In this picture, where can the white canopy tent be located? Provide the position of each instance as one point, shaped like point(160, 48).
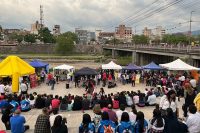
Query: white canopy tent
point(64, 67)
point(111, 65)
point(178, 65)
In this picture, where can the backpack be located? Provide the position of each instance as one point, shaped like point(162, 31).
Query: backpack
point(108, 129)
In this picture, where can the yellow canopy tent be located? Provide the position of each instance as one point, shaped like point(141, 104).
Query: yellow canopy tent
point(15, 67)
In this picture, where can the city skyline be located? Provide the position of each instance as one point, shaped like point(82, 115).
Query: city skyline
point(173, 15)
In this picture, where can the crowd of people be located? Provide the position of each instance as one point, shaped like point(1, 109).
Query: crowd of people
point(110, 114)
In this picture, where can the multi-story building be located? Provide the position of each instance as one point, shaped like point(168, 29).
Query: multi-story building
point(82, 35)
point(147, 32)
point(56, 30)
point(104, 36)
point(159, 32)
point(90, 36)
point(36, 27)
point(123, 33)
point(97, 32)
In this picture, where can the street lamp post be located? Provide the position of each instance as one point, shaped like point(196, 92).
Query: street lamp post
point(190, 34)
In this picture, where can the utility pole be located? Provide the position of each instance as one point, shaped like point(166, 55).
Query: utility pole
point(190, 32)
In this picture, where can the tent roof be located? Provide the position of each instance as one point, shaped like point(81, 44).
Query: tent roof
point(64, 67)
point(38, 64)
point(178, 65)
point(152, 66)
point(85, 71)
point(13, 64)
point(111, 65)
point(132, 66)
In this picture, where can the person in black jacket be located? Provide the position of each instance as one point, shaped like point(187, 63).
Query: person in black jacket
point(173, 125)
point(59, 125)
point(39, 102)
point(77, 103)
point(190, 96)
point(6, 118)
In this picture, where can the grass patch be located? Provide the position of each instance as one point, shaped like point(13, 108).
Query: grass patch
point(123, 61)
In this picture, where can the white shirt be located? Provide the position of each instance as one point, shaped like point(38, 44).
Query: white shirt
point(164, 104)
point(182, 78)
point(193, 82)
point(52, 118)
point(136, 99)
point(23, 87)
point(193, 122)
point(132, 117)
point(2, 88)
point(152, 99)
point(119, 114)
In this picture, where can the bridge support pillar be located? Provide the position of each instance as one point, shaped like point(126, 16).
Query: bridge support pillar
point(113, 53)
point(135, 57)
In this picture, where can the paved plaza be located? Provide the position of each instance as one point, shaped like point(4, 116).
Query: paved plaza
point(74, 118)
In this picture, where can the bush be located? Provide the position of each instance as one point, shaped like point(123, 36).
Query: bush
point(123, 61)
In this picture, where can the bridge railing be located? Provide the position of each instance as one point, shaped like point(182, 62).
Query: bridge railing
point(161, 48)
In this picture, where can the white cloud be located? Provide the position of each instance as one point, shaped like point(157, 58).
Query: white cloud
point(91, 14)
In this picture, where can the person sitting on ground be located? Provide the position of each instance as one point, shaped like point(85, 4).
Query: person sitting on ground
point(115, 103)
point(193, 120)
point(42, 124)
point(97, 116)
point(63, 104)
point(25, 105)
point(17, 123)
point(32, 101)
point(151, 101)
point(39, 102)
point(125, 124)
point(55, 103)
point(112, 114)
point(129, 100)
point(52, 117)
point(6, 115)
point(106, 124)
point(141, 100)
point(157, 123)
point(133, 114)
point(120, 111)
point(77, 103)
point(85, 103)
point(59, 125)
point(48, 101)
point(87, 126)
point(172, 125)
point(141, 125)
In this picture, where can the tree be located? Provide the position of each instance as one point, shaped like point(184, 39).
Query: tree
point(140, 39)
point(44, 34)
point(64, 45)
point(15, 36)
point(71, 35)
point(30, 38)
point(175, 39)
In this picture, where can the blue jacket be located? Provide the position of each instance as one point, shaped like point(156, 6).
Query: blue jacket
point(125, 126)
point(106, 123)
point(14, 104)
point(90, 128)
point(137, 125)
point(25, 105)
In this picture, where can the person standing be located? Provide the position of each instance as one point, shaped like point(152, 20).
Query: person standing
point(17, 123)
point(42, 124)
point(23, 88)
point(133, 79)
point(53, 82)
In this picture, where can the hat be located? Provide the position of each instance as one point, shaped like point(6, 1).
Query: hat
point(97, 108)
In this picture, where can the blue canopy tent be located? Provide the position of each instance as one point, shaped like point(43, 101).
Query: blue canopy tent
point(39, 64)
point(132, 67)
point(152, 66)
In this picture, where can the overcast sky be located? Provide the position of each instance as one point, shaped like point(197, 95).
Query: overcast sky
point(101, 14)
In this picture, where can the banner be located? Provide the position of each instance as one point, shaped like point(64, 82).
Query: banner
point(33, 80)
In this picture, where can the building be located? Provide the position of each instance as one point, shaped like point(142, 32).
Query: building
point(36, 27)
point(123, 33)
point(104, 36)
point(90, 36)
point(159, 32)
point(97, 32)
point(82, 35)
point(147, 32)
point(56, 30)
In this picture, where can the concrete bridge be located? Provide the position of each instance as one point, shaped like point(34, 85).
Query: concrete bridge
point(144, 54)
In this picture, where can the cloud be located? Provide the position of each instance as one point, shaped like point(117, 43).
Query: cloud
point(97, 14)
